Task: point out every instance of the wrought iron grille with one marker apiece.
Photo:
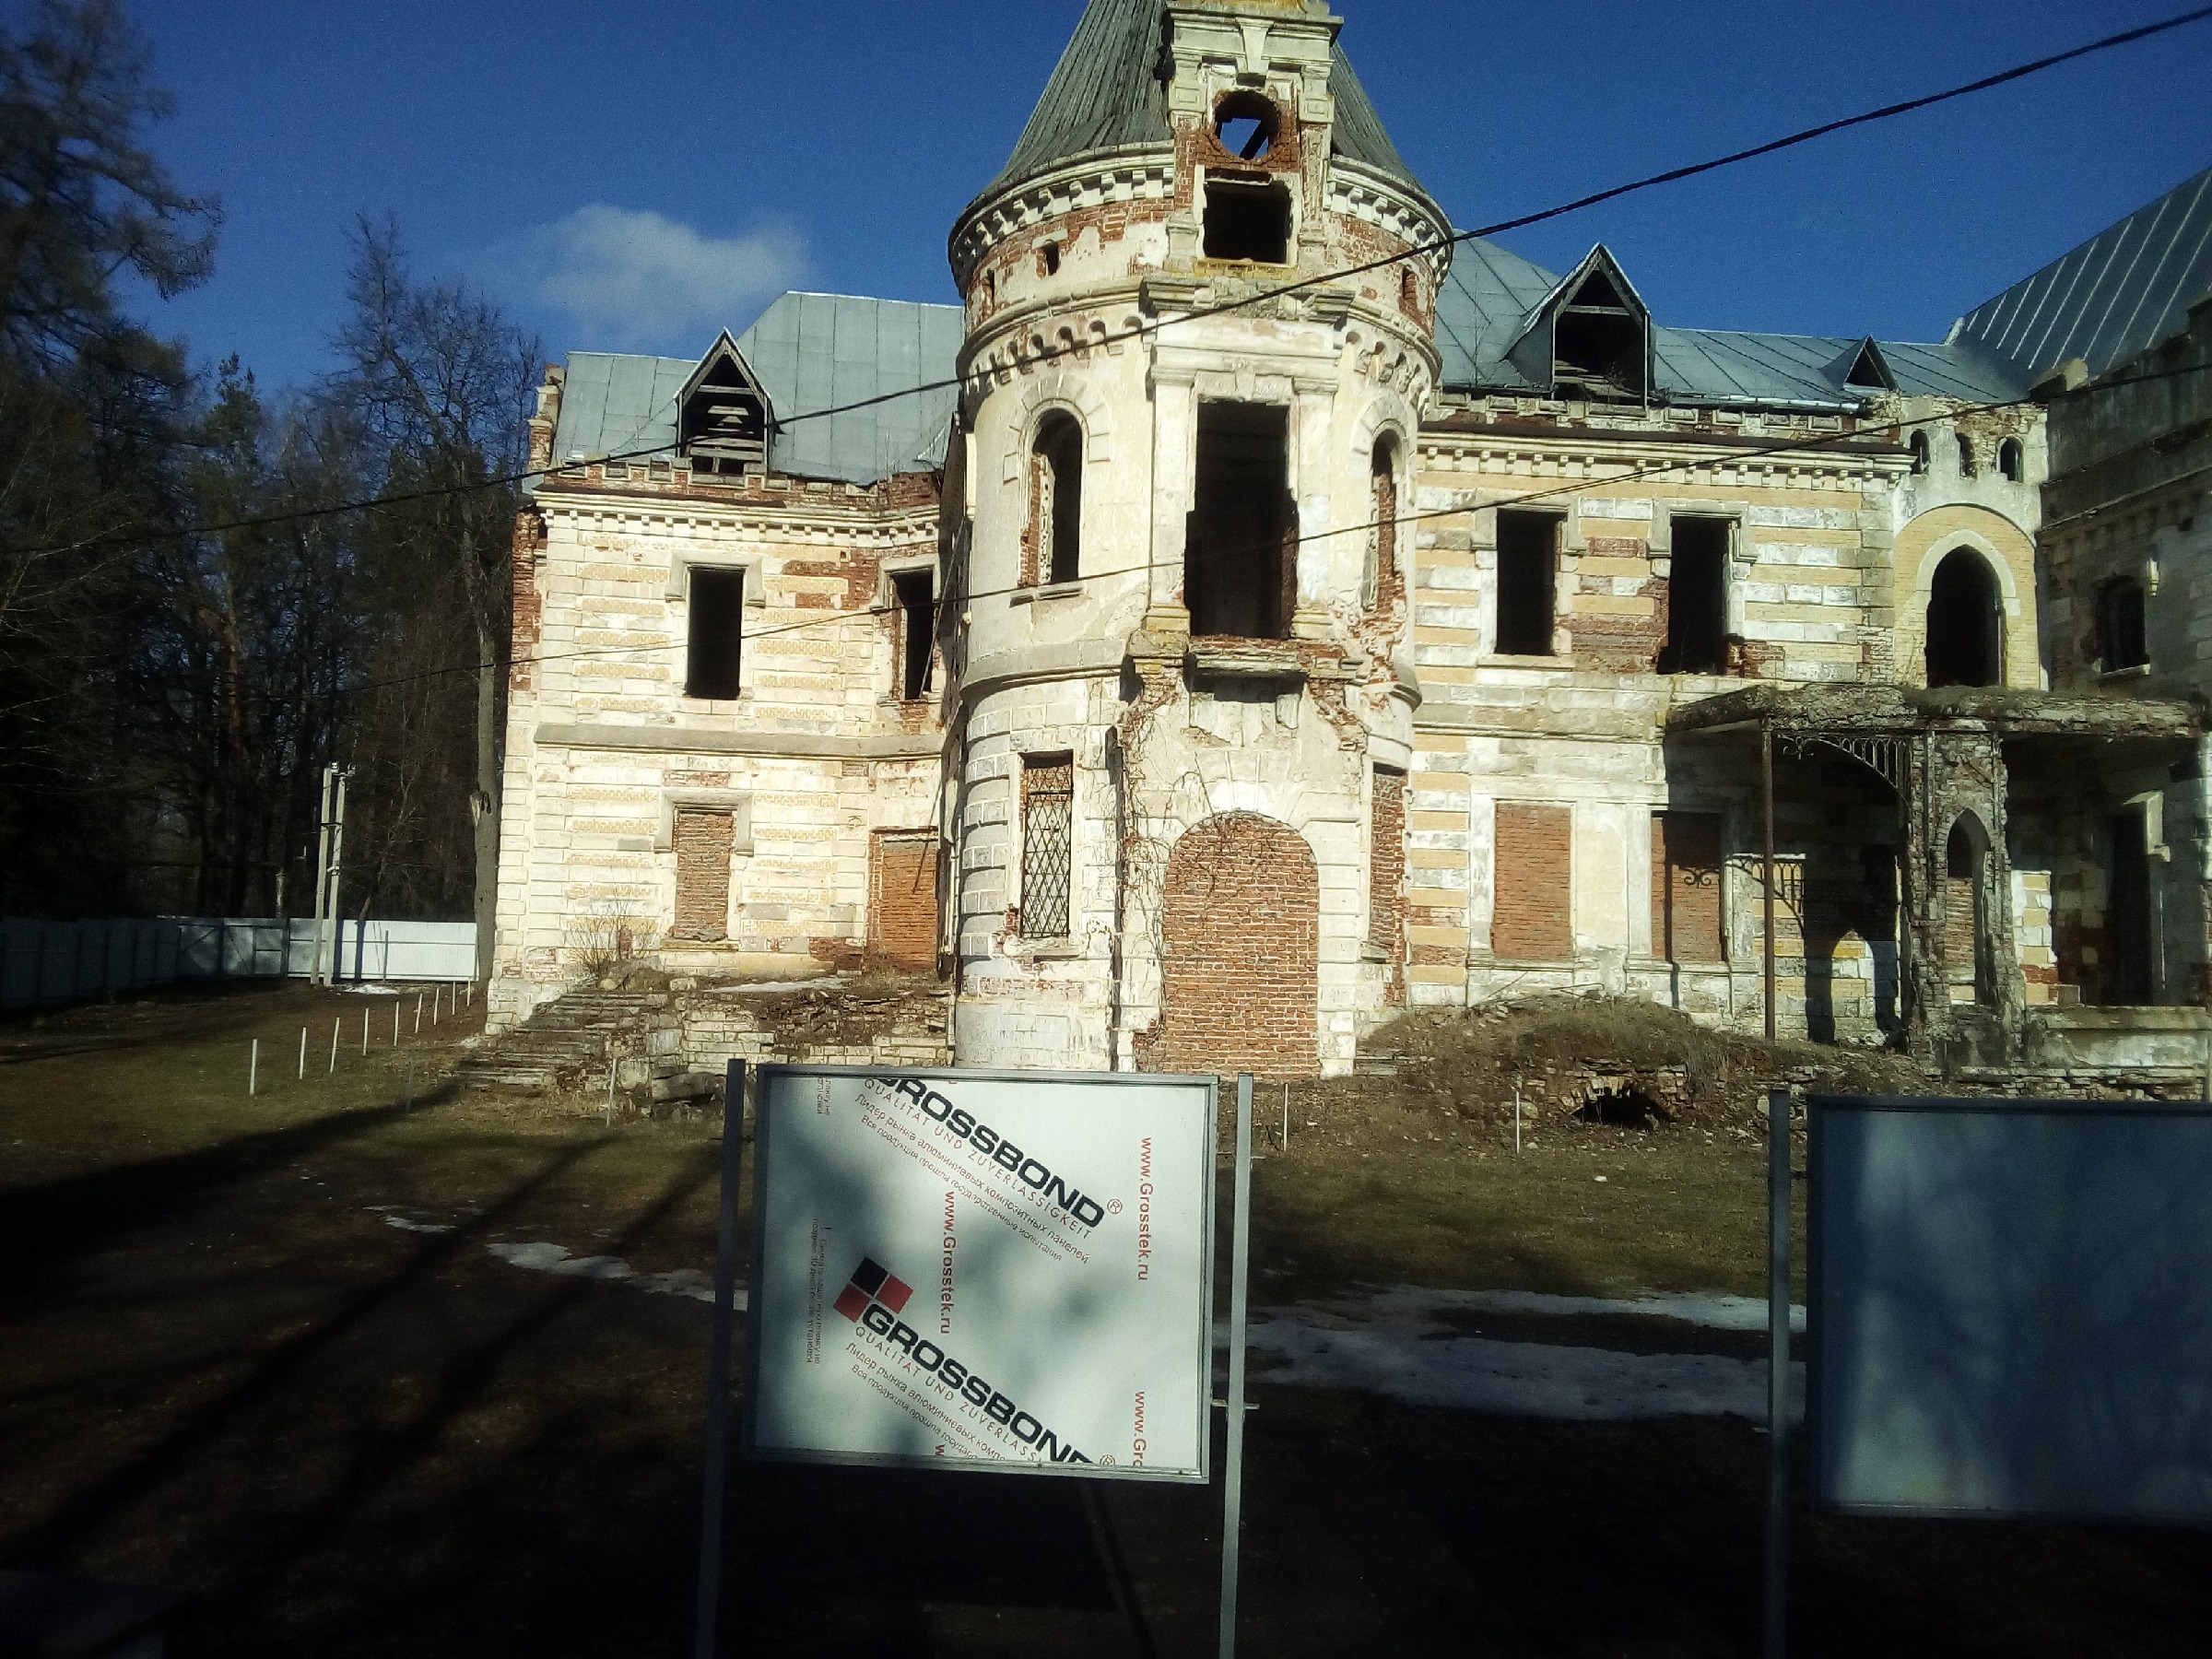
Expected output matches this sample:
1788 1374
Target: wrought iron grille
1048 799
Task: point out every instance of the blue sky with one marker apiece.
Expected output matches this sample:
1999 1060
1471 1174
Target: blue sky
634 177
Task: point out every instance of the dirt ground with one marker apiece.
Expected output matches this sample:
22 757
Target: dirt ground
263 1351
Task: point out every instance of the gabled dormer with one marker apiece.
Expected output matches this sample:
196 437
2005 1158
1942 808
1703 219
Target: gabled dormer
723 413
1589 337
1863 368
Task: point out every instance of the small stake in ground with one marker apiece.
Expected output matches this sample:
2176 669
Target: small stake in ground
253 1068
1516 1117
334 1049
364 1033
395 1022
302 1053
418 1013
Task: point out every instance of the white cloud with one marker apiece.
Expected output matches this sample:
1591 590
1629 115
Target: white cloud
635 278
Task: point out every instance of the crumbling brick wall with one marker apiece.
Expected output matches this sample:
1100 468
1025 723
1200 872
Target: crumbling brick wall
1533 913
1387 879
1241 929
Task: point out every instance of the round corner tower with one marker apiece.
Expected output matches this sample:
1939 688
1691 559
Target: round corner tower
1199 345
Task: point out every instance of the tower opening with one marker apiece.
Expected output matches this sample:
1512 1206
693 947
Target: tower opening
1239 559
1248 220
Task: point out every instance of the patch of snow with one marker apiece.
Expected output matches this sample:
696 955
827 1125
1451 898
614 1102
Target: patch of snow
687 1282
1714 1312
421 1227
756 987
369 989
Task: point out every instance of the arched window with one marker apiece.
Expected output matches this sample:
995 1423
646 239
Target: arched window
1053 548
1967 957
1382 583
1966 456
2009 461
1965 622
1919 444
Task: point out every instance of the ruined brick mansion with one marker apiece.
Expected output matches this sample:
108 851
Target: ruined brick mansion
1250 613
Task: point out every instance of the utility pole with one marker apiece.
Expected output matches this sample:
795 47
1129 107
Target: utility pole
338 867
316 961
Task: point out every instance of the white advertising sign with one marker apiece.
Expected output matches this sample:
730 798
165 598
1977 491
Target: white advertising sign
983 1270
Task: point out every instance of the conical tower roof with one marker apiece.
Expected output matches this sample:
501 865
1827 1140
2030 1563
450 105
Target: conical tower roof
1109 93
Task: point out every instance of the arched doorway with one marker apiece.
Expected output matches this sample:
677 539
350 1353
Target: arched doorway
1241 936
1966 616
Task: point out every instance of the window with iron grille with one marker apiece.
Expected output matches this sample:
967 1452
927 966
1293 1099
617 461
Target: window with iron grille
1048 800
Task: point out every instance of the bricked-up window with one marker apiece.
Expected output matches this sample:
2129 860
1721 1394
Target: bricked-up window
1056 499
1697 599
1240 560
1386 866
1248 218
1533 884
1048 802
2121 640
902 897
915 592
1383 513
716 632
1687 923
1528 562
704 842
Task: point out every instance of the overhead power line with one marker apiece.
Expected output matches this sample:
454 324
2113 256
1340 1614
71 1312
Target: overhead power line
1672 175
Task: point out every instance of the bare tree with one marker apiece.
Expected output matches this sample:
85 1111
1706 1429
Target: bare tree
442 379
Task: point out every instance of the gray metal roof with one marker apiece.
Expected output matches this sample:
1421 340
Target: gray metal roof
1106 94
810 352
2113 298
1492 294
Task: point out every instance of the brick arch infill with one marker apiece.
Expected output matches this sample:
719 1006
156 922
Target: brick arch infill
1240 937
1056 390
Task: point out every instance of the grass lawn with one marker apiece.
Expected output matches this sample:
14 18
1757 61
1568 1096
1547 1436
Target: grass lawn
238 1358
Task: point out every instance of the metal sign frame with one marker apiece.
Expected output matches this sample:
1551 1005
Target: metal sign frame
770 1075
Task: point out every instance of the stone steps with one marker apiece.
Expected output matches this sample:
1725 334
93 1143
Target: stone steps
563 1042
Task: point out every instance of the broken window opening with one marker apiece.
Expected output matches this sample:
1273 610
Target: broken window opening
714 636
1966 943
1528 557
2127 960
2121 635
1048 260
1383 540
1696 598
1248 220
2010 459
1919 446
915 592
1965 622
1057 499
1966 456
1598 346
1245 124
1048 796
1240 560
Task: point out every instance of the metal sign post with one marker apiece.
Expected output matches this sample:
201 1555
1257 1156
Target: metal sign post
1778 1372
718 1369
1232 1495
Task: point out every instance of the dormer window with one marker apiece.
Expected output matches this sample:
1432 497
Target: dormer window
1869 369
1248 218
1597 350
724 419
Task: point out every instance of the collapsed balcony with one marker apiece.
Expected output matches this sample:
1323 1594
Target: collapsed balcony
1993 879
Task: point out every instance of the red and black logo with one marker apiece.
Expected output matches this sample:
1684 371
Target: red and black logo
872 1282
872 1299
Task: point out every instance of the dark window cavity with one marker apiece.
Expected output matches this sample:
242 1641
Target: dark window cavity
915 593
715 634
1048 798
2009 460
2121 642
1919 446
1697 599
1058 464
1248 218
1048 260
1598 345
1966 456
1528 559
1240 560
2126 961
1965 624
1245 124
